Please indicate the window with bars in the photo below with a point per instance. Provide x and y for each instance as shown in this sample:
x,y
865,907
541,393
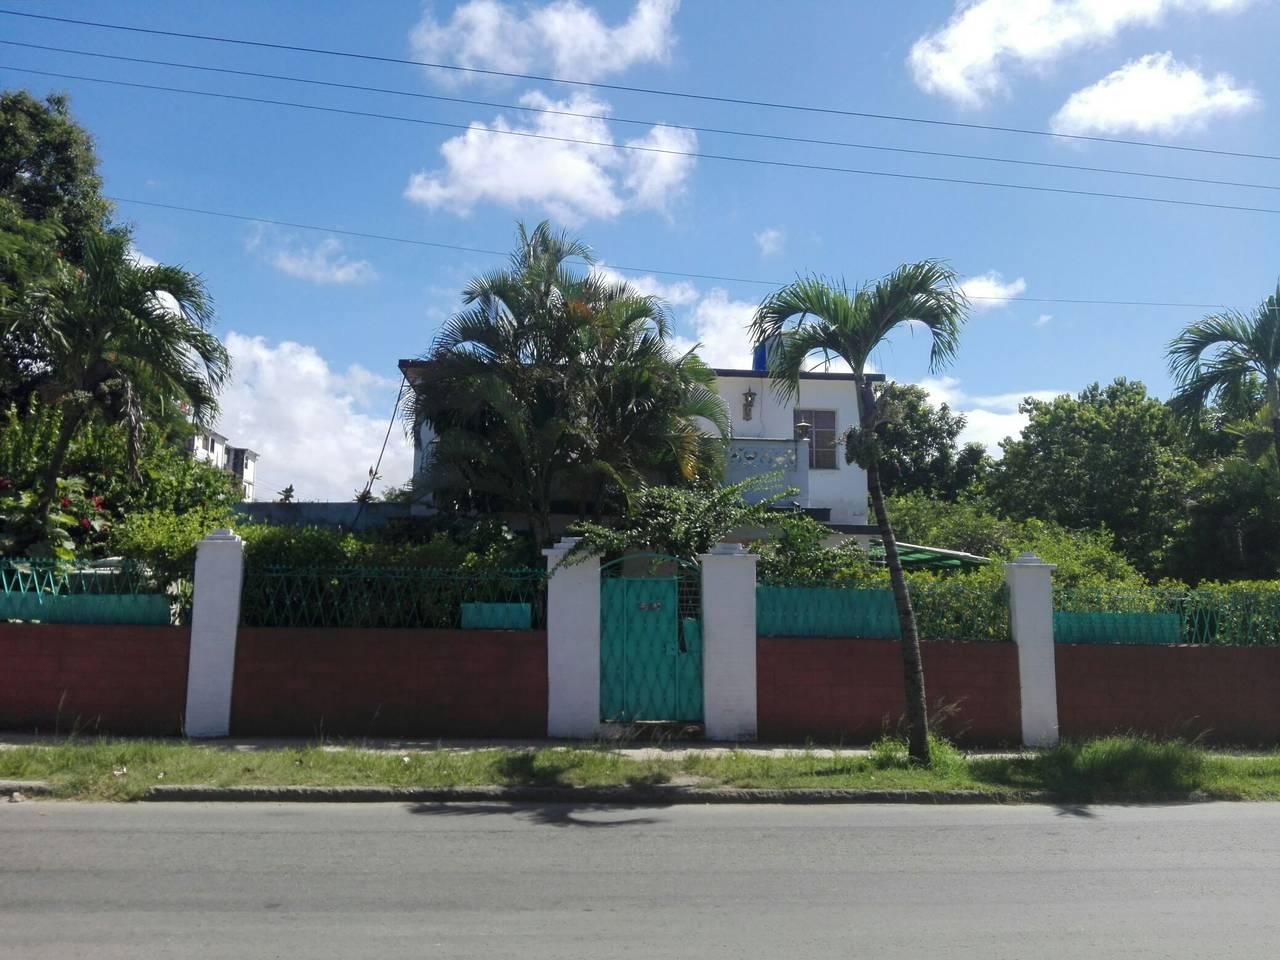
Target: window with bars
x,y
822,437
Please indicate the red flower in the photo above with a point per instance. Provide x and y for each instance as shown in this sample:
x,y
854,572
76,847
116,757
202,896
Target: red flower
x,y
84,522
5,483
66,501
97,504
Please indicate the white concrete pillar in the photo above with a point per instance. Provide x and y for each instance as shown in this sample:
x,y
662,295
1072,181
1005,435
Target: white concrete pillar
x,y
215,617
729,642
573,643
1030,582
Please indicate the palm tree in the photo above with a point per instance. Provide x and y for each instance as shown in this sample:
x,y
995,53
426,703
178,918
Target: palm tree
x,y
118,337
559,384
1217,358
814,316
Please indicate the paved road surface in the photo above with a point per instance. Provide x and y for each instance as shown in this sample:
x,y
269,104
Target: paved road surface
x,y
555,883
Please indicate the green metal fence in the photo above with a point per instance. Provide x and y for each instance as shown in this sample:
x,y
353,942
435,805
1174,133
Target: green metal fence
x,y
393,597
88,592
945,610
1112,615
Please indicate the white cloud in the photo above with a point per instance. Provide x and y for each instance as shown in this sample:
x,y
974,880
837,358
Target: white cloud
x,y
323,262
967,59
571,182
989,290
1042,320
564,36
1153,94
680,293
770,241
315,427
990,418
720,325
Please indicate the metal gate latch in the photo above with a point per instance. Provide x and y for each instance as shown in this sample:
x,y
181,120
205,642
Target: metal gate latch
x,y
656,605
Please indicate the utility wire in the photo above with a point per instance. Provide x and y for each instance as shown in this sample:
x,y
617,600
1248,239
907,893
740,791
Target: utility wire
x,y
648,91
776,137
668,151
411,241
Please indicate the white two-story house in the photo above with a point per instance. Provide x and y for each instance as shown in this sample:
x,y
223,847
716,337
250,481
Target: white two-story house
x,y
799,440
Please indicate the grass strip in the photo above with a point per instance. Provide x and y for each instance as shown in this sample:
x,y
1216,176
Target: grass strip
x,y
1113,769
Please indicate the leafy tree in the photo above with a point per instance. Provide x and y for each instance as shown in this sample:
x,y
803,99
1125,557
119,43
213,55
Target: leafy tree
x,y
919,446
119,335
1232,530
1219,356
681,522
1083,557
1111,458
813,316
49,168
554,385
286,495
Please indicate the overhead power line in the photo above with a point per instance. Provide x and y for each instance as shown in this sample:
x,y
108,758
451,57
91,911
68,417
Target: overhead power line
x,y
667,151
623,268
754,135
623,88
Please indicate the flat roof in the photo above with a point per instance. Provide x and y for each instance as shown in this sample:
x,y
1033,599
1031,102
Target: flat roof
x,y
804,375
407,365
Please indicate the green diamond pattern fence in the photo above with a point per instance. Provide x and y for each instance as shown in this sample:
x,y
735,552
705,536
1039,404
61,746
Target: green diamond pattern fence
x,y
945,610
87,592
393,597
1112,615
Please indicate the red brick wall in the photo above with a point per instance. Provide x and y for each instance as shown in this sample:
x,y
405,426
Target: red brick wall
x,y
100,679
850,690
1228,694
419,683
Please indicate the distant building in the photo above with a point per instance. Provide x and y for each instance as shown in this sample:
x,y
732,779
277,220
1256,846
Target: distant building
x,y
212,448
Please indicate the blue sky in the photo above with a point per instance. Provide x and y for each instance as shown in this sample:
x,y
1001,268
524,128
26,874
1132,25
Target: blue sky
x,y
318,320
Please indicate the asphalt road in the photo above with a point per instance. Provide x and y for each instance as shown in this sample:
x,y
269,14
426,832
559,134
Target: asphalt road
x,y
265,880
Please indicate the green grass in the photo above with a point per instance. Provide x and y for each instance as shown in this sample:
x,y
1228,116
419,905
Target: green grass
x,y
1116,769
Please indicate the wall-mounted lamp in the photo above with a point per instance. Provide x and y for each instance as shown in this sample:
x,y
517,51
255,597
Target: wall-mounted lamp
x,y
748,401
802,430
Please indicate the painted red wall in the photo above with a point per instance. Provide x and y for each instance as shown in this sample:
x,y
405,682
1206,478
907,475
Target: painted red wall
x,y
60,678
850,690
413,683
1227,694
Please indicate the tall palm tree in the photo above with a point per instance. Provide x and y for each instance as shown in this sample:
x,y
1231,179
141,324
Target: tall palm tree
x,y
1217,357
116,337
814,316
555,383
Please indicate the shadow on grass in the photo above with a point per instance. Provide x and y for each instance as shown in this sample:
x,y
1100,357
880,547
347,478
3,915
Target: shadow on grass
x,y
543,814
1109,770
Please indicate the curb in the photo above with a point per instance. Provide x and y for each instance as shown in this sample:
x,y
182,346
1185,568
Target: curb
x,y
622,796
28,788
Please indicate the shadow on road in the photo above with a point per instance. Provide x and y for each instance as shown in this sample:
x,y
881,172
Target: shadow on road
x,y
545,814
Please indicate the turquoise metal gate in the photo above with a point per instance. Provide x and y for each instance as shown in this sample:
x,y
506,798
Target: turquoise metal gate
x,y
650,640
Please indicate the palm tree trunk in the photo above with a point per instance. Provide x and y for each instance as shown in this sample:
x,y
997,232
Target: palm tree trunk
x,y
912,666
53,472
1273,402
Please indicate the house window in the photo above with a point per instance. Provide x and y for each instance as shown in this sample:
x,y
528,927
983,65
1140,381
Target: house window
x,y
822,437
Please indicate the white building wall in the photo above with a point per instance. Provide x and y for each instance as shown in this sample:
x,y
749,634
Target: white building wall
x,y
842,490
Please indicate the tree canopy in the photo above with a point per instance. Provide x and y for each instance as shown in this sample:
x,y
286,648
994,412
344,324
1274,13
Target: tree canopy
x,y
557,385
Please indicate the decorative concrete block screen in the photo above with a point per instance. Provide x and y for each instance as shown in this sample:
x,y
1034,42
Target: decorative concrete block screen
x,y
945,610
56,591
1157,616
393,597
